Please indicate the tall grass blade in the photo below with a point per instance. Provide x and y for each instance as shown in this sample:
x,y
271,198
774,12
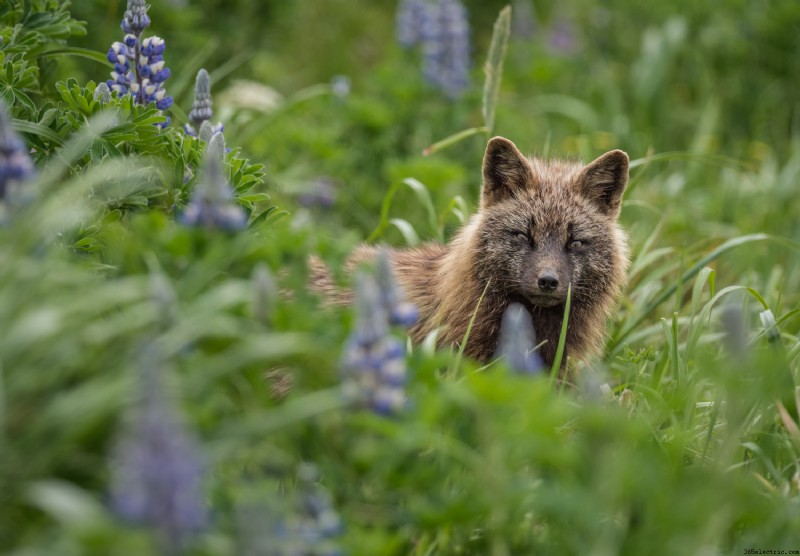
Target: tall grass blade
x,y
494,67
453,139
667,292
562,338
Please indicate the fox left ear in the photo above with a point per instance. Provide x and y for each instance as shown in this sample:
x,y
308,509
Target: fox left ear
x,y
604,180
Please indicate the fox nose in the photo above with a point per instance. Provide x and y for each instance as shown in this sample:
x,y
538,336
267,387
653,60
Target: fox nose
x,y
548,280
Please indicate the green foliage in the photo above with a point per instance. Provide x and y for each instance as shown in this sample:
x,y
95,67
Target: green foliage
x,y
683,438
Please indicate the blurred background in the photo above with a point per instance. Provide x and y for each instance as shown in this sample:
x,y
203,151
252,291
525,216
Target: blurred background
x,y
717,82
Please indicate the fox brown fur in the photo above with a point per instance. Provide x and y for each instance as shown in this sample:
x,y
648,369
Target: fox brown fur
x,y
542,226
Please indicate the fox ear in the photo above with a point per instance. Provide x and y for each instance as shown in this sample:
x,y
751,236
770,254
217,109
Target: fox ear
x,y
604,180
505,171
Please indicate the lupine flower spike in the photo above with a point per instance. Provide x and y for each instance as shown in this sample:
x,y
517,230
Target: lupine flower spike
x,y
15,163
157,470
410,15
201,108
139,67
442,29
212,204
373,364
400,311
518,341
320,522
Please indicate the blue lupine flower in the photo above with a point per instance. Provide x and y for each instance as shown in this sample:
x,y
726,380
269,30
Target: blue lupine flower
x,y
15,162
441,27
201,111
206,131
409,19
265,292
135,19
139,67
321,192
400,311
212,204
340,86
102,93
523,24
518,341
302,522
317,504
563,37
446,48
157,469
373,363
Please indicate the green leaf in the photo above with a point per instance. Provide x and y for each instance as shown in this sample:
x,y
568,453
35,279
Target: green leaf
x,y
409,234
37,129
424,197
494,67
79,52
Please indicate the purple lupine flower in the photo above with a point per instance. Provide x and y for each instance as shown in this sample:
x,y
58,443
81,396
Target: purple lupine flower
x,y
316,503
441,27
400,310
408,21
212,204
373,363
201,111
563,37
15,162
157,470
265,292
102,93
321,192
302,522
523,25
340,86
139,67
122,77
135,19
518,341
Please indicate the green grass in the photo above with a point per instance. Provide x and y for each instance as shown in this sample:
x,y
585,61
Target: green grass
x,y
681,439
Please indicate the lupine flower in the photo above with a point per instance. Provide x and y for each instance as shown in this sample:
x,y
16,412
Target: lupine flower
x,y
300,523
157,470
201,111
523,25
563,38
518,341
340,86
135,19
441,27
102,93
734,325
139,67
409,19
400,311
316,504
373,363
15,163
206,131
212,204
265,292
320,193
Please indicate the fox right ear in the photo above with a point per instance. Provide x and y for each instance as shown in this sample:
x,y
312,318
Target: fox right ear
x,y
506,171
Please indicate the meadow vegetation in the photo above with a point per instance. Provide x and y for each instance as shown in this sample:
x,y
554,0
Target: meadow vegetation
x,y
169,386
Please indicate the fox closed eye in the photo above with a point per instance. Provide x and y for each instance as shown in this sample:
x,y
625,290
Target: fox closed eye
x,y
576,243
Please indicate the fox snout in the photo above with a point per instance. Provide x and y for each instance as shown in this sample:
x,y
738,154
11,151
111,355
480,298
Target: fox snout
x,y
545,280
548,280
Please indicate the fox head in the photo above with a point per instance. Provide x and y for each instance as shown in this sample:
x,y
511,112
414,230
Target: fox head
x,y
544,226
